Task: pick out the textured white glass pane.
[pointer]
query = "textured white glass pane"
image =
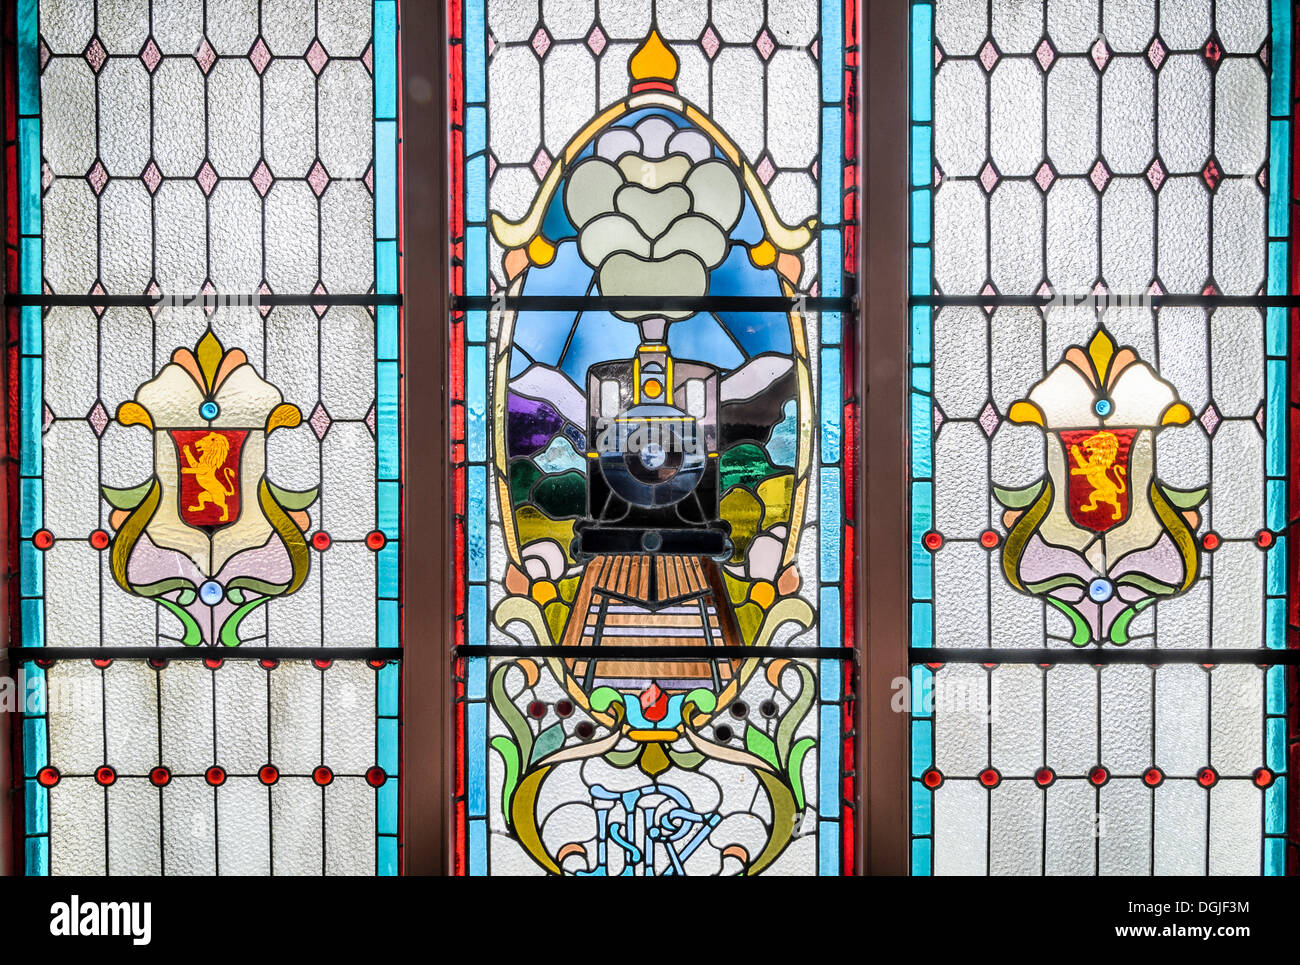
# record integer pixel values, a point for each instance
(134, 843)
(1071, 838)
(349, 827)
(960, 375)
(961, 719)
(1182, 727)
(1016, 738)
(189, 808)
(1071, 719)
(1016, 116)
(1016, 829)
(295, 717)
(960, 829)
(244, 819)
(77, 840)
(1126, 718)
(296, 819)
(1124, 828)
(1235, 827)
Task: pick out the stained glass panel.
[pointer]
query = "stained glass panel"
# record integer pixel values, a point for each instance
(653, 241)
(203, 314)
(1102, 605)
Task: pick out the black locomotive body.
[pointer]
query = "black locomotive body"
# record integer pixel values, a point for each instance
(652, 459)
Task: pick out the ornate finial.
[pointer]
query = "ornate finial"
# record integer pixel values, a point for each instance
(653, 64)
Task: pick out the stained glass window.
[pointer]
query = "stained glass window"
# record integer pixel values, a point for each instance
(653, 408)
(203, 328)
(1102, 358)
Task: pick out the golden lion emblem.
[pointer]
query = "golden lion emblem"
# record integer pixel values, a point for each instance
(213, 450)
(1102, 449)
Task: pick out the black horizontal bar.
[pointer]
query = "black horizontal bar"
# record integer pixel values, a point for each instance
(1001, 655)
(1110, 300)
(702, 303)
(218, 300)
(18, 654)
(671, 654)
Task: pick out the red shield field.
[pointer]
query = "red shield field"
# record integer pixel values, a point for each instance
(209, 469)
(1097, 461)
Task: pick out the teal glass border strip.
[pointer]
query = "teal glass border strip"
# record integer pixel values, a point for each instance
(31, 486)
(1276, 423)
(388, 414)
(920, 420)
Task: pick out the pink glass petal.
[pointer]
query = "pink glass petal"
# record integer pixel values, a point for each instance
(989, 177)
(1210, 419)
(1156, 53)
(989, 419)
(1156, 174)
(151, 177)
(98, 418)
(541, 163)
(1099, 175)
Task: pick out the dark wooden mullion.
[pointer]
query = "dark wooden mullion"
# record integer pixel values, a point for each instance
(427, 552)
(884, 547)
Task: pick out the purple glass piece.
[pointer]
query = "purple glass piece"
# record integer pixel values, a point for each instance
(530, 424)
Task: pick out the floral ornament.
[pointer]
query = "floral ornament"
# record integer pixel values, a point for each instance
(1099, 537)
(661, 743)
(208, 536)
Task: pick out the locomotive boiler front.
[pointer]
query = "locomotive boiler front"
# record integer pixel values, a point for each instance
(652, 463)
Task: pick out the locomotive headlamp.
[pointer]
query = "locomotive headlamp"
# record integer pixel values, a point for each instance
(652, 389)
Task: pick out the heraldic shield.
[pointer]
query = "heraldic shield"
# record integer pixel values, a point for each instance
(209, 490)
(1099, 470)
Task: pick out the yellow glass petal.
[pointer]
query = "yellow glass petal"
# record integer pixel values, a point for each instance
(763, 254)
(1023, 411)
(1176, 415)
(1101, 349)
(134, 414)
(541, 251)
(285, 415)
(209, 353)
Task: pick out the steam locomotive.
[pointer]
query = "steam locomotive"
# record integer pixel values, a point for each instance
(652, 461)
